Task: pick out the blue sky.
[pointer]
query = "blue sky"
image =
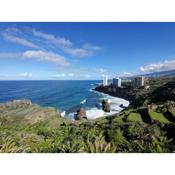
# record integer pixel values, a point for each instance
(84, 50)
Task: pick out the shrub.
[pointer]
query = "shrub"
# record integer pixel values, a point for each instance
(99, 145)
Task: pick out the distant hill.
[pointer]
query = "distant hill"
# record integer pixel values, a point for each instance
(170, 73)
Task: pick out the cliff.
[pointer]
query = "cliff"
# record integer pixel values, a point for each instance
(161, 90)
(23, 112)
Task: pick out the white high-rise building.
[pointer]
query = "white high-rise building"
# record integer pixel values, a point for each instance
(105, 80)
(138, 81)
(117, 82)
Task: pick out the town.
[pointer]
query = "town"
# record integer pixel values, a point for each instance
(135, 82)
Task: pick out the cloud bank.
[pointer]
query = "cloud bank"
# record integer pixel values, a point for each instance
(32, 38)
(158, 67)
(46, 56)
(66, 45)
(13, 35)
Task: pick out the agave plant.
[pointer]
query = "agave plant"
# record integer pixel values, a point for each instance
(159, 145)
(71, 147)
(99, 146)
(8, 145)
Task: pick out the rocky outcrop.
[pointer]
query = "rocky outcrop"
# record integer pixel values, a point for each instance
(125, 93)
(160, 91)
(106, 106)
(80, 114)
(16, 103)
(24, 112)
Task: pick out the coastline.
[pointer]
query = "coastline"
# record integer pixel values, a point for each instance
(117, 92)
(115, 103)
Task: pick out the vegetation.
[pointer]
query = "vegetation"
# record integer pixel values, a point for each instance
(158, 116)
(104, 135)
(134, 117)
(29, 128)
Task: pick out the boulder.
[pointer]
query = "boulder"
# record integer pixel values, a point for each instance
(80, 114)
(122, 106)
(106, 106)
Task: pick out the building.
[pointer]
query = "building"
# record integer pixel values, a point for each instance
(117, 82)
(138, 81)
(105, 80)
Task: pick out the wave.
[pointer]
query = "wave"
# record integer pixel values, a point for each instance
(83, 101)
(112, 100)
(63, 114)
(115, 104)
(95, 112)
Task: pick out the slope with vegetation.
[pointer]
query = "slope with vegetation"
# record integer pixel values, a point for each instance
(26, 127)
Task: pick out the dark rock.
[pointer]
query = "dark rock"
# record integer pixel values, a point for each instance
(81, 114)
(106, 106)
(122, 106)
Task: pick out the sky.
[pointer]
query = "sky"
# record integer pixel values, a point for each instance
(84, 51)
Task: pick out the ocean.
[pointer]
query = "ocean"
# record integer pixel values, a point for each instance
(66, 96)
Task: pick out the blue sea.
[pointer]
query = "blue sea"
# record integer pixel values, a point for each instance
(66, 96)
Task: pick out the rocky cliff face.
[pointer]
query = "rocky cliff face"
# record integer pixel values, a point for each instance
(160, 91)
(125, 93)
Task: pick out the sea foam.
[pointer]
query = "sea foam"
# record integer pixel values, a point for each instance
(83, 101)
(95, 112)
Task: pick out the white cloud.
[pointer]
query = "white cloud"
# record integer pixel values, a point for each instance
(35, 39)
(157, 67)
(66, 45)
(39, 55)
(46, 56)
(26, 75)
(127, 74)
(57, 41)
(11, 35)
(79, 52)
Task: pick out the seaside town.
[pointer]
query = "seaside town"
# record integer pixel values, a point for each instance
(135, 82)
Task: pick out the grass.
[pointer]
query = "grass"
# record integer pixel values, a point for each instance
(158, 116)
(118, 119)
(134, 117)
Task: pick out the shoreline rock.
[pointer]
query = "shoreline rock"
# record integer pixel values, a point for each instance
(80, 114)
(106, 106)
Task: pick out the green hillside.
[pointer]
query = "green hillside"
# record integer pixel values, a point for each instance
(23, 131)
(30, 128)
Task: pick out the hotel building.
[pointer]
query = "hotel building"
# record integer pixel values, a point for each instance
(138, 81)
(117, 82)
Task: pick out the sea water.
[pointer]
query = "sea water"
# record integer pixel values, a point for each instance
(66, 96)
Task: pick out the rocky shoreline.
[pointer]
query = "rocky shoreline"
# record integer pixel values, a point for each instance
(31, 113)
(124, 93)
(160, 91)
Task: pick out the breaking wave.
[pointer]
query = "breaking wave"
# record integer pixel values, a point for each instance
(95, 112)
(83, 101)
